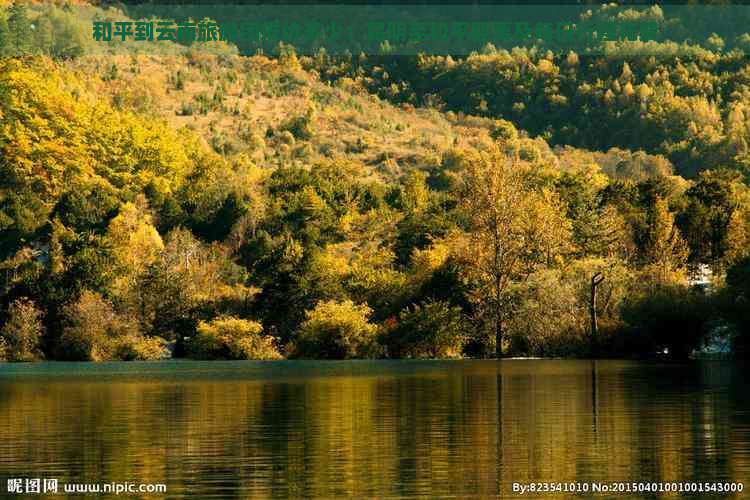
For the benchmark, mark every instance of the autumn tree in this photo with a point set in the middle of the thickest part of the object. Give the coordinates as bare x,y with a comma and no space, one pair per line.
135,244
21,334
665,252
512,229
93,329
187,280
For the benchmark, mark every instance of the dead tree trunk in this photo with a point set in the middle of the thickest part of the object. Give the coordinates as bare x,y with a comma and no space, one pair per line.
596,280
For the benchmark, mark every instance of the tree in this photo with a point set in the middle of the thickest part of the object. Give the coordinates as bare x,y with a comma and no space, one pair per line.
337,330
135,244
414,196
187,280
715,220
597,227
19,28
44,36
22,332
93,329
4,36
548,319
738,303
512,228
670,316
665,252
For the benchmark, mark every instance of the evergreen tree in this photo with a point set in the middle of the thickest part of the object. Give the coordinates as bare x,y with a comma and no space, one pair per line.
4,36
44,36
19,30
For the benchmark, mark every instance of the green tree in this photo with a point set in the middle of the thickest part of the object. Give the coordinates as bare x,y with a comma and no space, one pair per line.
738,302
44,36
4,35
715,221
19,27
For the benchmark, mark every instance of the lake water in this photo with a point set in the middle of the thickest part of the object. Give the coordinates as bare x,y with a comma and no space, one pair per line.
381,429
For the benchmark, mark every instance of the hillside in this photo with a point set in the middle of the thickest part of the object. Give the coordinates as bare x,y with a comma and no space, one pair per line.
256,207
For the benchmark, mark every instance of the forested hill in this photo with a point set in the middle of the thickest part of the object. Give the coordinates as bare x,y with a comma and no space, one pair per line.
693,110
340,208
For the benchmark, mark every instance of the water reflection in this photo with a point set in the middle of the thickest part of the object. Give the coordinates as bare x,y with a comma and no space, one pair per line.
373,429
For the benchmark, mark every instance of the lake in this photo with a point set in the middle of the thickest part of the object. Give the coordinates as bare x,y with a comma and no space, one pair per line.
374,429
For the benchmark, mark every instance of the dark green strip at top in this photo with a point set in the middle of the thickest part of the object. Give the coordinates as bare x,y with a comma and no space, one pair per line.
379,29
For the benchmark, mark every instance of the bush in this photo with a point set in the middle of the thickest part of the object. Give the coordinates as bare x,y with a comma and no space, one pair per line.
301,127
20,336
429,330
667,316
231,338
503,130
337,330
93,331
139,348
737,303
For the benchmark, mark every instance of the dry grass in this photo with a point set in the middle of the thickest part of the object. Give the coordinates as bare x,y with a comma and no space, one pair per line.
256,95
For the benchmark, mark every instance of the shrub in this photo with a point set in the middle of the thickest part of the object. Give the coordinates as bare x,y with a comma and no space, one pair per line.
186,109
337,330
667,316
286,138
288,56
22,332
430,330
139,348
503,130
301,127
231,338
93,331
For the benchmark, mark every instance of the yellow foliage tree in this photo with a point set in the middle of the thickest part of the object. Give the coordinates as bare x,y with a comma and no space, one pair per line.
135,244
513,229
